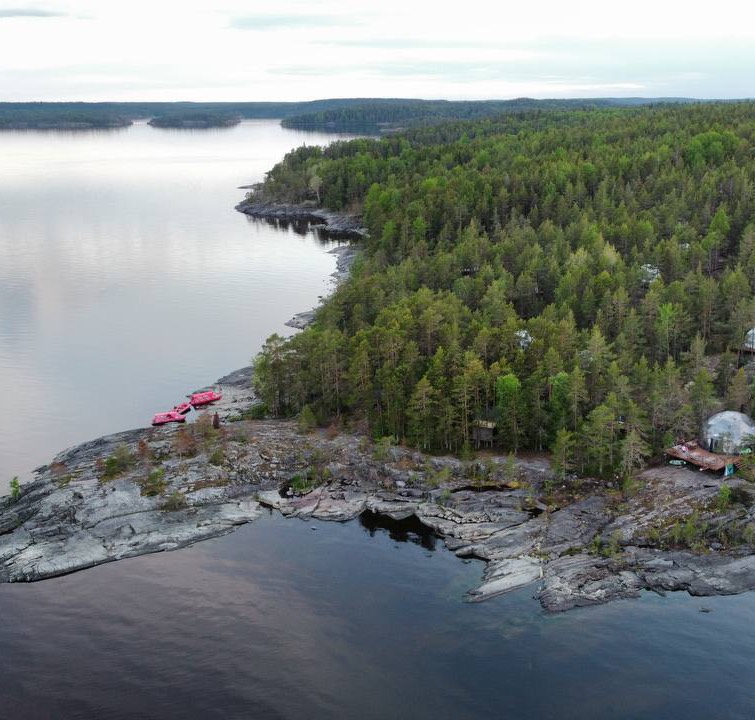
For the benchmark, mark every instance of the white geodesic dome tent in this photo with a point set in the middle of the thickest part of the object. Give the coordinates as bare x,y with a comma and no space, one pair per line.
749,343
728,432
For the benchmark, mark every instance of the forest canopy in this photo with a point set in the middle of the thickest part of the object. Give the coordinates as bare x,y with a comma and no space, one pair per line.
379,116
584,279
361,115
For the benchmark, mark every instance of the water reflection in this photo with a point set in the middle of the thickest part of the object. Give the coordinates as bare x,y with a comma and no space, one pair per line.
128,279
302,228
291,619
407,530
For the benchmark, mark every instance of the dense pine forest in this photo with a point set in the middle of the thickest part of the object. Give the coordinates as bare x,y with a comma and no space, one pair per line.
358,115
376,116
584,279
195,119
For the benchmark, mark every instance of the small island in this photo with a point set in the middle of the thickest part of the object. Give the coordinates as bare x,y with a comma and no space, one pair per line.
192,119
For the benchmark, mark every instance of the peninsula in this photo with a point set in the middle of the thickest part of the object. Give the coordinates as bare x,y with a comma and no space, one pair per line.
578,543
543,305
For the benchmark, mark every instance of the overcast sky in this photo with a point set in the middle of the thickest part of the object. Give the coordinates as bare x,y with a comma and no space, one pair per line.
305,49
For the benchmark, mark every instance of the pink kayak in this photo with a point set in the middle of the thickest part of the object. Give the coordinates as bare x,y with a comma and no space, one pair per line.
204,398
168,417
182,408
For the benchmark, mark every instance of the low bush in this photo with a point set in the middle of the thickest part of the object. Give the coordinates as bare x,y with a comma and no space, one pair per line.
120,461
175,501
154,483
217,457
306,420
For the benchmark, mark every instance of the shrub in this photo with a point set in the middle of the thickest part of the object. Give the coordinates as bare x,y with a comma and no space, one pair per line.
301,484
747,467
120,461
15,488
240,435
202,428
748,534
466,452
511,471
217,457
175,501
382,446
723,499
610,549
258,411
307,420
690,533
613,546
143,450
57,468
154,483
65,480
314,477
184,443
438,478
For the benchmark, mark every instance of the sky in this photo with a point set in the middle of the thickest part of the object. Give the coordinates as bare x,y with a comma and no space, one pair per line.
229,50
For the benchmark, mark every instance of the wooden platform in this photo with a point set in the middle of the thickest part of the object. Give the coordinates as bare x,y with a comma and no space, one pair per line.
692,453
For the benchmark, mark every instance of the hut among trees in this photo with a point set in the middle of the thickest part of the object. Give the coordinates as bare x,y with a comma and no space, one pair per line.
482,433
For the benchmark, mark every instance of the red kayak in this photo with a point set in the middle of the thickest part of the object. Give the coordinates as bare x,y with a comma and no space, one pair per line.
164,418
204,398
182,408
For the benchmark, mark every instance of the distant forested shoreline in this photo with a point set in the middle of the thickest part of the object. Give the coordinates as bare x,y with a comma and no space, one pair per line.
376,116
347,115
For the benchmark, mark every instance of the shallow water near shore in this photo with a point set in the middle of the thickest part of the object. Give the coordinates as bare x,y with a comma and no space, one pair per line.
128,280
292,619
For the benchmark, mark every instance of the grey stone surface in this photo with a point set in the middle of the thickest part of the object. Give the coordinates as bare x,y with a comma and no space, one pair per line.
333,223
584,546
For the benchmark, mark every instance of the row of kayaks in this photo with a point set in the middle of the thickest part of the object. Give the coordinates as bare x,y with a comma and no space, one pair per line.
179,412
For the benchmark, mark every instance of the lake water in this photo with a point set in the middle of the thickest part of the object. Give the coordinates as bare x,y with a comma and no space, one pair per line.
126,280
287,619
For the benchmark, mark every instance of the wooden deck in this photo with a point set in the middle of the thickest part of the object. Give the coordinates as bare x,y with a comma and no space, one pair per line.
692,453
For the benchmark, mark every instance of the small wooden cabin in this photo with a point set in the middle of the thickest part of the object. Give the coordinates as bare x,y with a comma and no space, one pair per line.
482,432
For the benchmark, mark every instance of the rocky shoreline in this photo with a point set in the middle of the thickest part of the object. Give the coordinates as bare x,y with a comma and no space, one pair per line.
178,486
332,223
345,256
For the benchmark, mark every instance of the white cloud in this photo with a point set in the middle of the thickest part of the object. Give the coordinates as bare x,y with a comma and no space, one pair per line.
233,50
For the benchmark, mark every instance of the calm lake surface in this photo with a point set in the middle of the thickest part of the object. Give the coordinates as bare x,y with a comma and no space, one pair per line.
127,280
286,619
